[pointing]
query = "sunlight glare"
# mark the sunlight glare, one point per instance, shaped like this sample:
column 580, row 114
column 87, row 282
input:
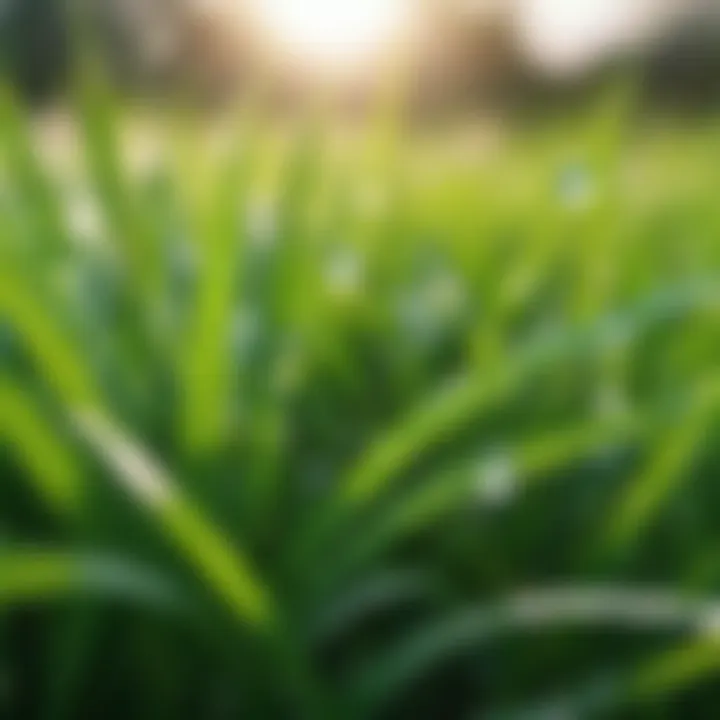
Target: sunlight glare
column 334, row 31
column 568, row 36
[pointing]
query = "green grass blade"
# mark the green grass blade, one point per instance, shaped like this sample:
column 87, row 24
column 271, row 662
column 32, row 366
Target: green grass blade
column 442, row 494
column 41, row 576
column 676, row 670
column 226, row 570
column 644, row 497
column 453, row 407
column 36, row 194
column 56, row 358
column 208, row 364
column 468, row 398
column 651, row 682
column 98, row 117
column 52, row 466
column 432, row 646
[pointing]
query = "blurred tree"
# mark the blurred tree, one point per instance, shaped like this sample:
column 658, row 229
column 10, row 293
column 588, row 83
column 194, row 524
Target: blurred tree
column 33, row 45
column 165, row 46
column 469, row 52
column 684, row 67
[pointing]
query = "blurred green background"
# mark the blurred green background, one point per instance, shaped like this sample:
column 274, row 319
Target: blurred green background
column 370, row 386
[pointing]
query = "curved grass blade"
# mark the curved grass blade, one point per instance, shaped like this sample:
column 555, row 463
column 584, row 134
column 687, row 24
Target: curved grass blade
column 469, row 397
column 54, row 356
column 631, row 610
column 652, row 680
column 646, row 495
column 226, row 570
column 35, row 575
column 52, row 466
column 379, row 593
column 529, row 460
column 444, row 494
column 597, row 697
column 40, row 576
column 678, row 668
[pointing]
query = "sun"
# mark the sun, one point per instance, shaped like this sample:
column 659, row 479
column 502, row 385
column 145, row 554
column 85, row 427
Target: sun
column 333, row 32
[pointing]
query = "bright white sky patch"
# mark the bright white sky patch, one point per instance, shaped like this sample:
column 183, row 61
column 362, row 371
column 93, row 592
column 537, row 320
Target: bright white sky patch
column 567, row 36
column 334, row 31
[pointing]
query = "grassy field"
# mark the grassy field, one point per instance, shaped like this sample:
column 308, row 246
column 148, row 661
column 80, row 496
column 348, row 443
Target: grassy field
column 404, row 424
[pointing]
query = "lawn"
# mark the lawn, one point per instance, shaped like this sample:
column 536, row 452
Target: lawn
column 395, row 422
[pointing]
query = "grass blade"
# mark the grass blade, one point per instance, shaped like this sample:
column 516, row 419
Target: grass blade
column 51, row 465
column 644, row 497
column 226, row 570
column 629, row 609
column 37, row 575
column 55, row 357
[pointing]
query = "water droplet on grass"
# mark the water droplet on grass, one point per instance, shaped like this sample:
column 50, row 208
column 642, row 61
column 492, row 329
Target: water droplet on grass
column 261, row 222
column 576, row 187
column 182, row 262
column 498, row 481
column 135, row 470
column 345, row 273
column 427, row 311
column 709, row 625
column 611, row 402
column 246, row 332
column 289, row 371
column 85, row 221
column 447, row 296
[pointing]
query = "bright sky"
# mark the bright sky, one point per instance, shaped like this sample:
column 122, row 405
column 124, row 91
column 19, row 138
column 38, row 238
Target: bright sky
column 561, row 36
column 566, row 36
column 334, row 31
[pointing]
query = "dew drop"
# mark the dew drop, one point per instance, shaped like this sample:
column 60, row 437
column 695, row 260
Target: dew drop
column 498, row 482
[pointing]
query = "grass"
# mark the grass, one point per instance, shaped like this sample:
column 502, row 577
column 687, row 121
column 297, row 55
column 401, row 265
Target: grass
column 404, row 424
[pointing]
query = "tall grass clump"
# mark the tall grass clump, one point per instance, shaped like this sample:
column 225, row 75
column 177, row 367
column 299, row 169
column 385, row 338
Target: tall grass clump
column 296, row 424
